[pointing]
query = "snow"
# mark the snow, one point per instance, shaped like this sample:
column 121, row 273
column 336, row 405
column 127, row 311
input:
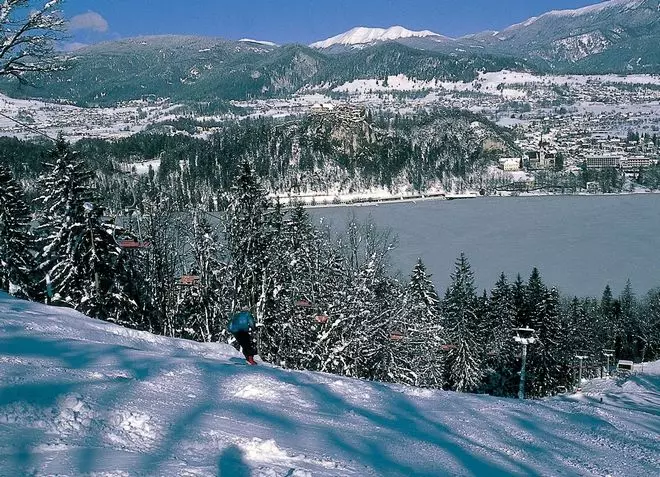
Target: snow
column 364, row 35
column 141, row 168
column 596, row 8
column 487, row 83
column 589, row 9
column 77, row 122
column 84, row 397
column 260, row 42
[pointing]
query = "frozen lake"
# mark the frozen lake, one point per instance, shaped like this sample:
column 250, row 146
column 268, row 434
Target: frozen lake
column 579, row 243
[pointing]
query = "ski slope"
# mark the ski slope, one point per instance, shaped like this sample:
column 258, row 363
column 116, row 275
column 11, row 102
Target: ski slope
column 83, row 397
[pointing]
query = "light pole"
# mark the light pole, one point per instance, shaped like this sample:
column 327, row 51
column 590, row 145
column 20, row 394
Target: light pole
column 608, row 353
column 524, row 336
column 580, row 357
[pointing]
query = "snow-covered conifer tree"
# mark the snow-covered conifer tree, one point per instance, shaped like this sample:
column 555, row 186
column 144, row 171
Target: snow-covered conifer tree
column 500, row 346
column 535, row 293
column 627, row 320
column 79, row 250
column 419, row 357
column 463, row 326
column 203, row 308
column 544, row 370
column 296, row 256
column 163, row 266
column 16, row 239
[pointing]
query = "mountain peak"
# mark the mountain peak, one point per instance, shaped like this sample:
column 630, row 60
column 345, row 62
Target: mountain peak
column 365, row 35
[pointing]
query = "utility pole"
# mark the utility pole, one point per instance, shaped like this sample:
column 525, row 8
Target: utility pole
column 580, row 357
column 608, row 353
column 524, row 336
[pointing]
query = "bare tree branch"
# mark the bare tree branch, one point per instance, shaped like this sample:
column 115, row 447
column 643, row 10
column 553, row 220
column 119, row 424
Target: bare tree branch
column 28, row 32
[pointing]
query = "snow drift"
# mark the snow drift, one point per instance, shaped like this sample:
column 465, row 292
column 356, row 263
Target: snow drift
column 83, row 397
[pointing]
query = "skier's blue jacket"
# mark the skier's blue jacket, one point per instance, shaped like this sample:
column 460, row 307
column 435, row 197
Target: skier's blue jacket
column 242, row 321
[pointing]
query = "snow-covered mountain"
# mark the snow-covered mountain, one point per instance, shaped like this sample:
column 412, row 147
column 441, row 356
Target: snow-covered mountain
column 83, row 397
column 364, row 36
column 612, row 36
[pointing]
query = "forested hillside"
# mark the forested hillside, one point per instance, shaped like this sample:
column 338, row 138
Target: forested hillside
column 214, row 71
column 329, row 152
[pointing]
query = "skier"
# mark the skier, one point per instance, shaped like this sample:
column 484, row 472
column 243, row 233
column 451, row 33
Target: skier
column 240, row 326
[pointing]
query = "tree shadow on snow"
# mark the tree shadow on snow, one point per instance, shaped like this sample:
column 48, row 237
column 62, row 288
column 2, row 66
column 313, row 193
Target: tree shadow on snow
column 338, row 423
column 232, row 464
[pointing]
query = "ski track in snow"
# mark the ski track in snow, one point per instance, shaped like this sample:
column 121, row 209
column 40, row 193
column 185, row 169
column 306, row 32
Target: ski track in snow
column 84, row 397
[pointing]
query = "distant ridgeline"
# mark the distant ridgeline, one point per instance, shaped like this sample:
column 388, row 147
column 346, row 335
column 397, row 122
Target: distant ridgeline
column 344, row 150
column 616, row 36
column 205, row 70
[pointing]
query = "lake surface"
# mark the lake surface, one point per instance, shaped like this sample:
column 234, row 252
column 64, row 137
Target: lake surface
column 578, row 243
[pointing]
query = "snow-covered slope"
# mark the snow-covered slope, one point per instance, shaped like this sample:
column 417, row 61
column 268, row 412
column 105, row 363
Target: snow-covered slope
column 612, row 35
column 363, row 35
column 84, row 397
column 621, row 5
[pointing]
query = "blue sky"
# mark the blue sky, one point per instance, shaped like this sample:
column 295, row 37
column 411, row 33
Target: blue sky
column 289, row 21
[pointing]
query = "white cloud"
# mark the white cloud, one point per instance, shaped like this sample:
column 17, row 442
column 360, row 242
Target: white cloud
column 88, row 21
column 73, row 46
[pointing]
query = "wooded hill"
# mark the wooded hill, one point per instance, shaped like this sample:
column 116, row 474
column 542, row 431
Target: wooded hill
column 330, row 152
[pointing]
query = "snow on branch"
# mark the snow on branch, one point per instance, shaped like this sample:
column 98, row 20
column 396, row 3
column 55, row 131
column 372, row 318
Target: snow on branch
column 28, row 31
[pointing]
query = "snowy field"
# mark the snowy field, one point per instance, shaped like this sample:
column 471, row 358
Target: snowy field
column 83, row 397
column 488, row 82
column 75, row 122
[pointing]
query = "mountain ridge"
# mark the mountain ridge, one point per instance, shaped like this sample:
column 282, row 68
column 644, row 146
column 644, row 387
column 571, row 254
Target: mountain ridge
column 596, row 38
column 618, row 36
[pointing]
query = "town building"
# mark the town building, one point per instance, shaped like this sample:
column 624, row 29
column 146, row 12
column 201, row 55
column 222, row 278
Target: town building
column 603, row 161
column 635, row 163
column 510, row 164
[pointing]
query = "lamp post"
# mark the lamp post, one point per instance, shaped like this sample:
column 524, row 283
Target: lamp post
column 608, row 353
column 524, row 336
column 580, row 357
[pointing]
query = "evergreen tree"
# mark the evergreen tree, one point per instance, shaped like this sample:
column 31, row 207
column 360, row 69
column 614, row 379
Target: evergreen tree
column 500, row 321
column 535, row 293
column 544, row 360
column 163, row 267
column 463, row 327
column 16, row 240
column 294, row 262
column 625, row 314
column 649, row 326
column 418, row 358
column 203, row 306
column 247, row 242
column 609, row 332
column 518, row 295
column 80, row 253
